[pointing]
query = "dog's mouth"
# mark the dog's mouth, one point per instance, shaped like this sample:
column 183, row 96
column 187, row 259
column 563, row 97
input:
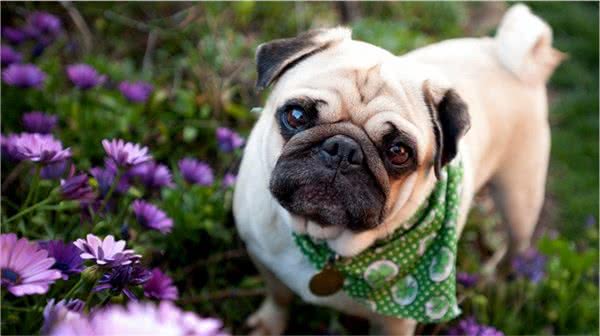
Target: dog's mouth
column 315, row 230
column 328, row 200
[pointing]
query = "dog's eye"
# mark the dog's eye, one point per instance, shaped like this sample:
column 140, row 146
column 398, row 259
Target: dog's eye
column 398, row 154
column 295, row 117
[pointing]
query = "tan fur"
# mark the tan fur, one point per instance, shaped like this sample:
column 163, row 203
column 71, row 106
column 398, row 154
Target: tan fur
column 507, row 146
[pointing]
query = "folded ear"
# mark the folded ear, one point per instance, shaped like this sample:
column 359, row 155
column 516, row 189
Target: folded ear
column 450, row 117
column 275, row 57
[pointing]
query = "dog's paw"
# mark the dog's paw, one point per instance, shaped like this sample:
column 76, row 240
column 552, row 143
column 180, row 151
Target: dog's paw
column 269, row 319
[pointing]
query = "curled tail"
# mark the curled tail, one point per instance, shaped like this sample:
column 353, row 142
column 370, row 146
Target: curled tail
column 524, row 45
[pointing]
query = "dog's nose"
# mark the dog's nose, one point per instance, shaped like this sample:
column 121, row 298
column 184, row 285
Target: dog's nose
column 341, row 151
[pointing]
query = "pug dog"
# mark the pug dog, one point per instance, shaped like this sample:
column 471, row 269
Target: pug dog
column 352, row 139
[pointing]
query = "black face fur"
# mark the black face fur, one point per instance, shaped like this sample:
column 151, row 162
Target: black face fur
column 308, row 186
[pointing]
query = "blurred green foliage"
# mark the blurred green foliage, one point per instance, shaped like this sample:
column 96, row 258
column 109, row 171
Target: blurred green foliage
column 200, row 59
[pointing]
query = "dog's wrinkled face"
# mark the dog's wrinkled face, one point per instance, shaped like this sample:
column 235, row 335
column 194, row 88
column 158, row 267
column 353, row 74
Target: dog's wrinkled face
column 358, row 132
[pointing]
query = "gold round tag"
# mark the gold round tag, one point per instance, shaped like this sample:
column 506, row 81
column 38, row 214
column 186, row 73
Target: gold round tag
column 326, row 282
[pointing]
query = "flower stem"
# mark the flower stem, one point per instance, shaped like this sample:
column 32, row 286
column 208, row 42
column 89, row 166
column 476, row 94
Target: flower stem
column 113, row 186
column 22, row 309
column 28, row 210
column 89, row 298
column 119, row 218
column 34, row 185
column 13, row 175
column 74, row 288
column 60, row 207
column 105, row 301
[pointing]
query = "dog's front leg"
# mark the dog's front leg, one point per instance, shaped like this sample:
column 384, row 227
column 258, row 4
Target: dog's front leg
column 271, row 317
column 395, row 326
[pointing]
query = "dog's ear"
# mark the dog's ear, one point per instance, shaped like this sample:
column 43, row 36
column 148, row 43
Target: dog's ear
column 450, row 117
column 275, row 57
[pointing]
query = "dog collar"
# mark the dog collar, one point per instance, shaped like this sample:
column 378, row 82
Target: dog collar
column 410, row 274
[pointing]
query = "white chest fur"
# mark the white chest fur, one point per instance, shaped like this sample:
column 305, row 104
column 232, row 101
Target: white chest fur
column 272, row 244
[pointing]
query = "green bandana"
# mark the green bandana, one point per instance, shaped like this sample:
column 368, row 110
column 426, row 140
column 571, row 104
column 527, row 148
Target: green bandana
column 410, row 274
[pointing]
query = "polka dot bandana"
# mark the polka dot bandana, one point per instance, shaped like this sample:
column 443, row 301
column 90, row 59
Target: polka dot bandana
column 410, row 274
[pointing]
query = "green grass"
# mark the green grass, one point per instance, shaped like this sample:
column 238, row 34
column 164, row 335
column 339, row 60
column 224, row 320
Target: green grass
column 203, row 71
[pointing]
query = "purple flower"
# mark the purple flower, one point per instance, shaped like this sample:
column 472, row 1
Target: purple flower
column 136, row 92
column 43, row 28
column 466, row 279
column 24, row 266
column 196, row 172
column 105, row 178
column 469, row 327
column 62, row 311
column 84, row 76
column 530, row 264
column 42, row 148
column 66, row 256
column 125, row 154
column 160, row 286
column 39, row 122
column 54, row 171
column 9, row 56
column 228, row 139
column 141, row 318
column 590, row 221
column 151, row 217
column 77, row 188
column 14, row 35
column 119, row 278
column 43, row 24
column 229, row 180
column 105, row 251
column 152, row 175
column 8, row 149
column 23, row 76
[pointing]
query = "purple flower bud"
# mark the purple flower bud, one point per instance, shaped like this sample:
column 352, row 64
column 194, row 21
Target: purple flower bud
column 229, row 180
column 54, row 171
column 43, row 25
column 77, row 188
column 590, row 221
column 14, row 35
column 84, row 76
column 23, row 76
column 136, row 92
column 39, row 122
column 8, row 151
column 530, row 264
column 470, row 327
column 466, row 279
column 196, row 172
column 151, row 217
column 152, row 175
column 119, row 278
column 228, row 139
column 160, row 287
column 106, row 177
column 9, row 56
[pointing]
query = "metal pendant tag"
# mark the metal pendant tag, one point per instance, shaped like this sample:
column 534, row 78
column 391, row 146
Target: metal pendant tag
column 326, row 282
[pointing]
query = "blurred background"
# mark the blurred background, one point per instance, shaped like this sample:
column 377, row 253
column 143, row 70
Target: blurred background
column 199, row 57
